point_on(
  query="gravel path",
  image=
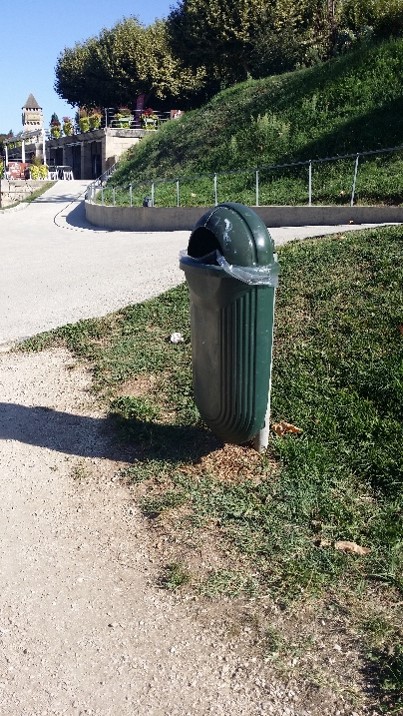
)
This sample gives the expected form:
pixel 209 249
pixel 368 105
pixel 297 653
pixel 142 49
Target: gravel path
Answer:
pixel 83 629
pixel 55 269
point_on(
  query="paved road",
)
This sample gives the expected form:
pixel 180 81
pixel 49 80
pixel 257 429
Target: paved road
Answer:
pixel 56 268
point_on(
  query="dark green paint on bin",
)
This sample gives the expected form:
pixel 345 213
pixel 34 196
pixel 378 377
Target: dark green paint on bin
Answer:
pixel 231 322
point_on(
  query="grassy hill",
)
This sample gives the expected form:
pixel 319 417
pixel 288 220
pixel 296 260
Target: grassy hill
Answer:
pixel 351 104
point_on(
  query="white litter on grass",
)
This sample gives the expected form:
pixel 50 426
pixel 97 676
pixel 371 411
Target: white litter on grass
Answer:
pixel 176 338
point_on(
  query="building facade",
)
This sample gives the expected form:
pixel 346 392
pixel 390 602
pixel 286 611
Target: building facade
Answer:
pixel 92 153
pixel 32 115
pixel 88 154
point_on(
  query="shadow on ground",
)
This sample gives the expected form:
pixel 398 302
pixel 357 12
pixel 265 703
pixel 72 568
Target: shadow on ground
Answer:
pixel 165 442
pixel 77 219
pixel 105 437
pixel 383 674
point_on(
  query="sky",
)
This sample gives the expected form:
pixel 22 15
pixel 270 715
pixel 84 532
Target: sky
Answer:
pixel 35 32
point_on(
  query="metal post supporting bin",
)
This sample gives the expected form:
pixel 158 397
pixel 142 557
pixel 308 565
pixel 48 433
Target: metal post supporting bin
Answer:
pixel 232 272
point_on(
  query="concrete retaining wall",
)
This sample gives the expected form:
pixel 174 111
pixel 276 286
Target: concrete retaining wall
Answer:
pixel 122 218
pixel 13 191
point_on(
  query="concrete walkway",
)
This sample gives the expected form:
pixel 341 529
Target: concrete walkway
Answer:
pixel 57 269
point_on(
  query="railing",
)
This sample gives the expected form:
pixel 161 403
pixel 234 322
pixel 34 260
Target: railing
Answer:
pixel 324 180
pixel 91 192
pixel 138 120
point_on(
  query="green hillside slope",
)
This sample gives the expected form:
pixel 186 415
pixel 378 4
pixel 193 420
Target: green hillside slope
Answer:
pixel 350 104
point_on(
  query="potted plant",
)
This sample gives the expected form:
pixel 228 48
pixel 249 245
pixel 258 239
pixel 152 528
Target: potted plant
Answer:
pixel 149 119
pixel 67 126
pixel 83 120
pixel 55 126
pixel 123 118
pixel 95 119
pixel 36 169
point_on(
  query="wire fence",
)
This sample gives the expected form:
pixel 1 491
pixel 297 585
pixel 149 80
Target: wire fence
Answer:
pixel 374 176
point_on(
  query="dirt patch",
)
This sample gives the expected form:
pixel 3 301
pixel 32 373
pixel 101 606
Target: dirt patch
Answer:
pixel 139 386
pixel 231 463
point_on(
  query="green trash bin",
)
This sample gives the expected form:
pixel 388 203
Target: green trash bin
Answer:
pixel 232 271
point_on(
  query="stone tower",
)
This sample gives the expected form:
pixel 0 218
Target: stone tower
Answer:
pixel 32 115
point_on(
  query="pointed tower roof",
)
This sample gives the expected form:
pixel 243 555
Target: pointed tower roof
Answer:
pixel 31 103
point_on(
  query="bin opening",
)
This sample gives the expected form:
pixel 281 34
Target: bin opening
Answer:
pixel 205 249
pixel 202 242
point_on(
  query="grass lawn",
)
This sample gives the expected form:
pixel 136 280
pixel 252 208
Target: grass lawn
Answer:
pixel 230 522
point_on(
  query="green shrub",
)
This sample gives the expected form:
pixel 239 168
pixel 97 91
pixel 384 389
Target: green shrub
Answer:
pixel 34 172
pixel 38 171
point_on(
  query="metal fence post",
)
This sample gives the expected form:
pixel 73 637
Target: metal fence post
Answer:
pixel 310 183
pixel 102 196
pixel 215 190
pixel 354 179
pixel 177 193
pixel 153 193
pixel 257 186
pixel 114 196
pixel 131 194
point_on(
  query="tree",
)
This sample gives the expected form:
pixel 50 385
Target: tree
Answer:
pixel 232 41
pixel 122 63
pixel 384 17
pixel 216 36
pixel 3 137
pixel 322 29
pixel 168 76
pixel 280 41
pixel 74 82
pixel 300 34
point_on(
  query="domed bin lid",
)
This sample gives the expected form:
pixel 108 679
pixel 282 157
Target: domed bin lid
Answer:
pixel 236 232
pixel 233 237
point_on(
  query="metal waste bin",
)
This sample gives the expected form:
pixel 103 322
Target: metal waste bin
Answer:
pixel 232 271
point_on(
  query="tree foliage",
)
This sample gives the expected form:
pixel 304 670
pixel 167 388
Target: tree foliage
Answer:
pixel 74 74
pixel 3 137
pixel 383 17
pixel 205 45
pixel 260 37
pixel 281 41
pixel 121 63
pixel 217 35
